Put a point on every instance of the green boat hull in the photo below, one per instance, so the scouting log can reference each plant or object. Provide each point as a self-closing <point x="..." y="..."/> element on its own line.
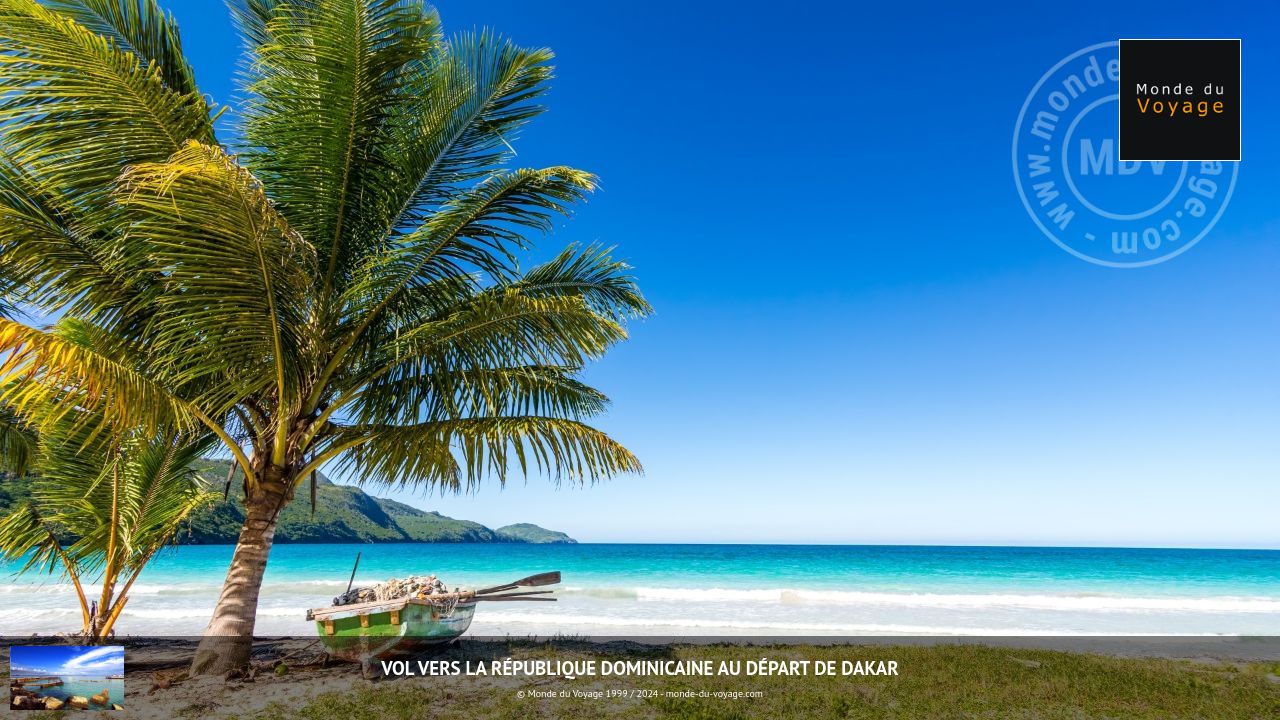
<point x="392" y="629"/>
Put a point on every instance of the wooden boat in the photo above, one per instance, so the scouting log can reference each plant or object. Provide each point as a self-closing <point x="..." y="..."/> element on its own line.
<point x="385" y="629"/>
<point x="396" y="627"/>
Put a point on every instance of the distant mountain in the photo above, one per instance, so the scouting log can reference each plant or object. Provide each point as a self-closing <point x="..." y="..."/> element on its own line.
<point x="343" y="514"/>
<point x="530" y="533"/>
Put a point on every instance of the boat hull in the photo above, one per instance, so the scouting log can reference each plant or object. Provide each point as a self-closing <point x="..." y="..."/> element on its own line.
<point x="393" y="629"/>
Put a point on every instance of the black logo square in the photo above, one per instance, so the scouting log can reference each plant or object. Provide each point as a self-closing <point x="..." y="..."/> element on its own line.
<point x="1179" y="100"/>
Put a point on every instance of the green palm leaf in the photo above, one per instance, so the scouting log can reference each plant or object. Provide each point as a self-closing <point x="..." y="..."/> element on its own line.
<point x="205" y="223"/>
<point x="17" y="442"/>
<point x="324" y="84"/>
<point x="457" y="454"/>
<point x="75" y="108"/>
<point x="53" y="375"/>
<point x="140" y="27"/>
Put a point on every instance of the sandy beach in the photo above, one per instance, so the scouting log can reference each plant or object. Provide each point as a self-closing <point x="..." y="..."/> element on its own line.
<point x="157" y="687"/>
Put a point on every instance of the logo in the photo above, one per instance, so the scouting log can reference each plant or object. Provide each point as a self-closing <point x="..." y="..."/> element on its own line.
<point x="1069" y="175"/>
<point x="1180" y="100"/>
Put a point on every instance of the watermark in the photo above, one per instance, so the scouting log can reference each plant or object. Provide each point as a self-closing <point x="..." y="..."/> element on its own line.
<point x="1082" y="196"/>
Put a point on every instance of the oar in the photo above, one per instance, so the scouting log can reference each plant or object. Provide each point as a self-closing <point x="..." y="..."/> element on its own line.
<point x="513" y="598"/>
<point x="515" y="594"/>
<point x="547" y="578"/>
<point x="353" y="572"/>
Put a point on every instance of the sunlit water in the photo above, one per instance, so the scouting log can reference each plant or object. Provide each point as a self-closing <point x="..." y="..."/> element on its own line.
<point x="85" y="687"/>
<point x="726" y="589"/>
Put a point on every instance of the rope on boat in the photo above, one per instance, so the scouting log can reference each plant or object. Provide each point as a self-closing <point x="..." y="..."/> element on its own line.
<point x="414" y="586"/>
<point x="447" y="604"/>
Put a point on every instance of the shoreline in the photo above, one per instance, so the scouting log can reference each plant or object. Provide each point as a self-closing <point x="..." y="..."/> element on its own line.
<point x="22" y="698"/>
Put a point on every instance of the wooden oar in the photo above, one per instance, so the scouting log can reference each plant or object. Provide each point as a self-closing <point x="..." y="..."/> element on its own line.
<point x="547" y="578"/>
<point x="353" y="572"/>
<point x="515" y="594"/>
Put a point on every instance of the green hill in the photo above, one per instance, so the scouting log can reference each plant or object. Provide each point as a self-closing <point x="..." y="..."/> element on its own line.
<point x="530" y="533"/>
<point x="343" y="514"/>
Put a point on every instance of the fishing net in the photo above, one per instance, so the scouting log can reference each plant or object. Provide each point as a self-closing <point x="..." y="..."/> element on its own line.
<point x="413" y="586"/>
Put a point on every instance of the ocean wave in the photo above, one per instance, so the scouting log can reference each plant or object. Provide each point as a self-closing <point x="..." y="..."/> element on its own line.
<point x="33" y="613"/>
<point x="543" y="623"/>
<point x="27" y="588"/>
<point x="607" y="593"/>
<point x="211" y="587"/>
<point x="206" y="611"/>
<point x="1080" y="602"/>
<point x="67" y="589"/>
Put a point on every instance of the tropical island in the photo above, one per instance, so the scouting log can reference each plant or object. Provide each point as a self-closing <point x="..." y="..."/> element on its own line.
<point x="342" y="514"/>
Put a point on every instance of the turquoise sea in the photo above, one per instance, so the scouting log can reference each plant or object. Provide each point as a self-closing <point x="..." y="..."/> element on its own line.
<point x="86" y="687"/>
<point x="728" y="589"/>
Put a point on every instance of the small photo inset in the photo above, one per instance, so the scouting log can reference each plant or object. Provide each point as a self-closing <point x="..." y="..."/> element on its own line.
<point x="66" y="677"/>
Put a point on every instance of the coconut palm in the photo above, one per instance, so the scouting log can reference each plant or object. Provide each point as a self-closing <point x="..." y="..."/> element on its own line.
<point x="342" y="284"/>
<point x="17" y="442"/>
<point x="102" y="506"/>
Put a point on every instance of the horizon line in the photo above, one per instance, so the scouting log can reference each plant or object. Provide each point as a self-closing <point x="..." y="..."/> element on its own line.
<point x="1033" y="546"/>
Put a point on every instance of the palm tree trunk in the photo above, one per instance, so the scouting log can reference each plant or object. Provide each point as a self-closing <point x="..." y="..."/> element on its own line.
<point x="109" y="572"/>
<point x="74" y="574"/>
<point x="123" y="597"/>
<point x="228" y="639"/>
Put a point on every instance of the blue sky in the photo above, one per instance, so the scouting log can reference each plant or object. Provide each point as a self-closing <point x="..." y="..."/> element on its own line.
<point x="82" y="661"/>
<point x="860" y="335"/>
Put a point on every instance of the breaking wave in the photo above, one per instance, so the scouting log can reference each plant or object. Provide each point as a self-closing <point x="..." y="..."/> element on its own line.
<point x="1074" y="603"/>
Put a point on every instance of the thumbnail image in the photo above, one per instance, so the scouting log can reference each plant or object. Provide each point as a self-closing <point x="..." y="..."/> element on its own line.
<point x="56" y="677"/>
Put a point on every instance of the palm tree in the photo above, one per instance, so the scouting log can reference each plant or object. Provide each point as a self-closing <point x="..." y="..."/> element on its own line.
<point x="102" y="507"/>
<point x="340" y="285"/>
<point x="17" y="441"/>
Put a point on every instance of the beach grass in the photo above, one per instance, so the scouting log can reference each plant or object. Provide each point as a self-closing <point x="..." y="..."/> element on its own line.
<point x="941" y="681"/>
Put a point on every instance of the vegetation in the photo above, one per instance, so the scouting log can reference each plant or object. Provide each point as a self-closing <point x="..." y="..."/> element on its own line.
<point x="106" y="499"/>
<point x="343" y="514"/>
<point x="100" y="509"/>
<point x="343" y="285"/>
<point x="945" y="681"/>
<point x="17" y="442"/>
<point x="528" y="532"/>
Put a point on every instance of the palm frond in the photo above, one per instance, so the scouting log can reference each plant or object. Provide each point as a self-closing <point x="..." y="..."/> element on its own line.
<point x="59" y="261"/>
<point x="75" y="108"/>
<point x="206" y="224"/>
<point x="140" y="27"/>
<point x="445" y="393"/>
<point x="17" y="442"/>
<point x="325" y="78"/>
<point x="52" y="374"/>
<point x="456" y="454"/>
<point x="476" y="231"/>
<point x="494" y="329"/>
<point x="154" y="488"/>
<point x="251" y="18"/>
<point x="592" y="274"/>
<point x="473" y="102"/>
<point x="27" y="538"/>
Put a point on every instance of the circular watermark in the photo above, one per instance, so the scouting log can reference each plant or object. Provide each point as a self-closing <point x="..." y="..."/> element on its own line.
<point x="1067" y="166"/>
